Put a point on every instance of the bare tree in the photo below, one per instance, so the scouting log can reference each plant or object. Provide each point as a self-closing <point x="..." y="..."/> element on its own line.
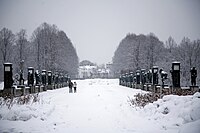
<point x="6" y="42"/>
<point x="138" y="52"/>
<point x="155" y="49"/>
<point x="21" y="42"/>
<point x="188" y="53"/>
<point x="44" y="39"/>
<point x="20" y="53"/>
<point x="54" y="50"/>
<point x="170" y="44"/>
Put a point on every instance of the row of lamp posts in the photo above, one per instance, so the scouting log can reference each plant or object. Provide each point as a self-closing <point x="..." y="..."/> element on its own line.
<point x="45" y="80"/>
<point x="149" y="79"/>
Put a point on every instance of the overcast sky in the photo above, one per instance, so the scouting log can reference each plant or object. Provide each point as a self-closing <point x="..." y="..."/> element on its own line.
<point x="96" y="27"/>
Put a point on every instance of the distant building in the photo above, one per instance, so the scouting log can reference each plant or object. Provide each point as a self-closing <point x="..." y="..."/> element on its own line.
<point x="87" y="71"/>
<point x="93" y="71"/>
<point x="109" y="69"/>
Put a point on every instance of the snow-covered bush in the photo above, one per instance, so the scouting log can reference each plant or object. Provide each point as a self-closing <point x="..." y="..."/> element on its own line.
<point x="27" y="99"/>
<point x="143" y="99"/>
<point x="18" y="108"/>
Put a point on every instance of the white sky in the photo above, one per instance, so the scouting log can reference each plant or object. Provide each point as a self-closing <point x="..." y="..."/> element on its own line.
<point x="96" y="27"/>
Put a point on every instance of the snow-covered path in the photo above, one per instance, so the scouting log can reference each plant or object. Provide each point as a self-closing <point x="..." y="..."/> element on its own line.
<point x="99" y="106"/>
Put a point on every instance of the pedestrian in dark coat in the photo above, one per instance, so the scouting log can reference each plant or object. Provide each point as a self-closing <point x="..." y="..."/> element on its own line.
<point x="70" y="86"/>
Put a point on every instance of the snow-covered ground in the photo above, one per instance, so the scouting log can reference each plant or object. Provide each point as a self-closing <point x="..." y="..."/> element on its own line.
<point x="1" y="85"/>
<point x="101" y="106"/>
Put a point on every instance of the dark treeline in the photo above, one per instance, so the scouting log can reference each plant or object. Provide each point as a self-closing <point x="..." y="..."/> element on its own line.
<point x="48" y="48"/>
<point x="144" y="51"/>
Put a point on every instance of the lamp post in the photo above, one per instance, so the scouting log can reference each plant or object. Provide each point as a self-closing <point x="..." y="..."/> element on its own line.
<point x="175" y="72"/>
<point x="8" y="80"/>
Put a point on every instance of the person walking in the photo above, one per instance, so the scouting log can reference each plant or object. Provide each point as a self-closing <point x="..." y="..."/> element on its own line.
<point x="70" y="86"/>
<point x="75" y="85"/>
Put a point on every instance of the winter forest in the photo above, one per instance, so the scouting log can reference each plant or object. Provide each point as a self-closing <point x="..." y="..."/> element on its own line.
<point x="48" y="48"/>
<point x="144" y="51"/>
<point x="99" y="66"/>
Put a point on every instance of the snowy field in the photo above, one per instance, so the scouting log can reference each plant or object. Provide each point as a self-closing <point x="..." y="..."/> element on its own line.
<point x="1" y="85"/>
<point x="101" y="106"/>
